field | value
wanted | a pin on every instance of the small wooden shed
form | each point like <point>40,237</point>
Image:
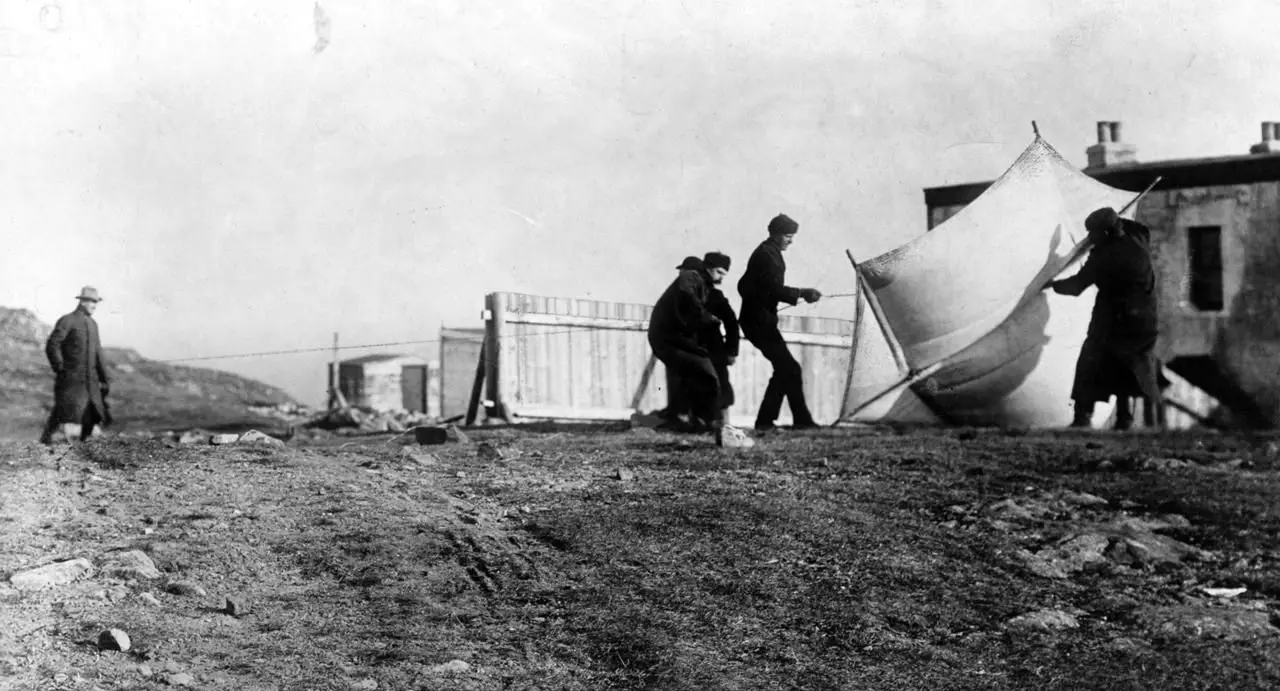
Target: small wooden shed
<point>391,382</point>
<point>460,350</point>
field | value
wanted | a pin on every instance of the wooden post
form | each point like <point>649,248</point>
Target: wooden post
<point>495,331</point>
<point>858,311</point>
<point>477,386</point>
<point>645,376</point>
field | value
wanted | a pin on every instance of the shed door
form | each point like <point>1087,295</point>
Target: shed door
<point>413,387</point>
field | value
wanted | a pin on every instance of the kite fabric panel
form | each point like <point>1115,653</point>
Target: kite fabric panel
<point>965,303</point>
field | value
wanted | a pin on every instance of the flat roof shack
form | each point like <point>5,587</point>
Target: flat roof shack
<point>390,382</point>
<point>1215,230</point>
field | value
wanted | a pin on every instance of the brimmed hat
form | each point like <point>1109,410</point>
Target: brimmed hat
<point>690,263</point>
<point>89,293</point>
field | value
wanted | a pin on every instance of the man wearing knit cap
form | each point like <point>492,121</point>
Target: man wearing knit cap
<point>1118,355</point>
<point>762,287</point>
<point>677,327</point>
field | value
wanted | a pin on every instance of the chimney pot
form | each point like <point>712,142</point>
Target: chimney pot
<point>1115,131</point>
<point>1267,129</point>
<point>1275,131</point>
<point>1104,132</point>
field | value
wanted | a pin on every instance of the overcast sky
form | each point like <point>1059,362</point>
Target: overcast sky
<point>229,188</point>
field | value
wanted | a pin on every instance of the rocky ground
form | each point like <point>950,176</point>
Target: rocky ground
<point>553,557</point>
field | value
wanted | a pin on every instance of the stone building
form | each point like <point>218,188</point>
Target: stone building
<point>1215,225</point>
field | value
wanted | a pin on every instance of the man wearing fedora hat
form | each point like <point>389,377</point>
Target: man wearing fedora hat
<point>82,380</point>
<point>1118,355</point>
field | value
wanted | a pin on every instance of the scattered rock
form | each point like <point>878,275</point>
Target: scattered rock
<point>114,639</point>
<point>117,593</point>
<point>456,435</point>
<point>253,436</point>
<point>145,670</point>
<point>625,475</point>
<point>431,435</point>
<point>1082,498</point>
<point>192,437</point>
<point>1223,592</point>
<point>365,685</point>
<point>221,439</point>
<point>186,588</point>
<point>129,565</point>
<point>1163,464</point>
<point>1068,556</point>
<point>1127,646</point>
<point>452,666</point>
<point>1198,621</point>
<point>150,599</point>
<point>491,452</point>
<point>419,458</point>
<point>180,679</point>
<point>236,606</point>
<point>1043,621</point>
<point>49,575</point>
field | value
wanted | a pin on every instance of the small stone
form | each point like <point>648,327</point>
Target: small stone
<point>365,685</point>
<point>451,667</point>
<point>419,458</point>
<point>236,606</point>
<point>430,435</point>
<point>180,679</point>
<point>149,599</point>
<point>1044,620</point>
<point>221,439</point>
<point>130,565</point>
<point>625,475</point>
<point>488,451</point>
<point>186,588</point>
<point>253,436</point>
<point>117,593</point>
<point>456,435</point>
<point>114,639</point>
<point>57,573</point>
<point>145,670</point>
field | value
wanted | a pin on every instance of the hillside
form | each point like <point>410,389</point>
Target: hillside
<point>145,394</point>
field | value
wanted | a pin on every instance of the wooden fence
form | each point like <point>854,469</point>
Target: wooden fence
<point>567,358</point>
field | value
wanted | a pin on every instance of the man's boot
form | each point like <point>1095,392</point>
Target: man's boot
<point>1084,415</point>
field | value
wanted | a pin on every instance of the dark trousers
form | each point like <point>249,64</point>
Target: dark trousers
<point>699,384</point>
<point>787,381</point>
<point>88,421</point>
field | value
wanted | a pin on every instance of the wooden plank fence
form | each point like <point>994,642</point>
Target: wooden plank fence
<point>567,358</point>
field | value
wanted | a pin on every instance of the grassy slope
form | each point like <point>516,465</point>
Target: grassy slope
<point>146,394</point>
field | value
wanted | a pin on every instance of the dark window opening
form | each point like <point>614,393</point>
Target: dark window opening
<point>1205,252</point>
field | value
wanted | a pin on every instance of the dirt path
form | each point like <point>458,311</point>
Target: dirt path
<point>553,560</point>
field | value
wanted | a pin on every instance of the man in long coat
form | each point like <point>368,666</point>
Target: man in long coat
<point>1118,355</point>
<point>676,334</point>
<point>722,345</point>
<point>762,287</point>
<point>82,379</point>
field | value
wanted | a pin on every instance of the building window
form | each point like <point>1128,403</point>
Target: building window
<point>1204,245</point>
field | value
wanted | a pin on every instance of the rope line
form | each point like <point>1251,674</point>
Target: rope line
<point>477,339</point>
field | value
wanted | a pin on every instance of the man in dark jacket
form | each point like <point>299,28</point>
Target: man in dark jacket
<point>762,287</point>
<point>677,326</point>
<point>1118,355</point>
<point>721,345</point>
<point>82,379</point>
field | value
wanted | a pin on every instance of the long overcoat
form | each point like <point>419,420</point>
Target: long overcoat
<point>75,354</point>
<point>1118,355</point>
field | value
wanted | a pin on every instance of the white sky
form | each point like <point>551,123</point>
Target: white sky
<point>230,190</point>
